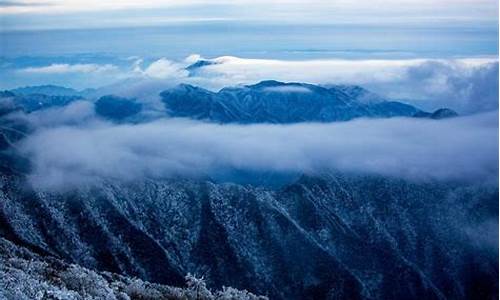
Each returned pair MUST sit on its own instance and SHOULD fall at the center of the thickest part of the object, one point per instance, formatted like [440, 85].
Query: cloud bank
[467, 85]
[464, 148]
[70, 68]
[102, 13]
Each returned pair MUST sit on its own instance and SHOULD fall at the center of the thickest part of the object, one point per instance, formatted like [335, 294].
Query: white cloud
[464, 148]
[191, 59]
[467, 84]
[287, 89]
[163, 68]
[75, 113]
[23, 6]
[243, 70]
[425, 13]
[70, 68]
[429, 14]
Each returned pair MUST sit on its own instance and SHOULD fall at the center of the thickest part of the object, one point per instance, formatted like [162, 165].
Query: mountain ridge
[271, 101]
[268, 101]
[342, 230]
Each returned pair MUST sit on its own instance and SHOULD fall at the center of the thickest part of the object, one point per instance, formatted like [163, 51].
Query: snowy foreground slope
[25, 275]
[337, 237]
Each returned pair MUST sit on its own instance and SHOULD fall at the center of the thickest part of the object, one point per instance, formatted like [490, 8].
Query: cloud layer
[463, 148]
[70, 68]
[424, 13]
[467, 85]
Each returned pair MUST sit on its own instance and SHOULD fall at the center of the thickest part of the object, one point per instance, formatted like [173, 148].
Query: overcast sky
[17, 14]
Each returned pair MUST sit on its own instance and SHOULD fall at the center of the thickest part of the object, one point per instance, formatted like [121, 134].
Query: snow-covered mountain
[278, 102]
[327, 236]
[33, 102]
[26, 275]
[330, 237]
[265, 102]
[49, 90]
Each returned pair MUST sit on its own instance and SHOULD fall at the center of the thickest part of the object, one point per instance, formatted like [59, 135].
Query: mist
[64, 154]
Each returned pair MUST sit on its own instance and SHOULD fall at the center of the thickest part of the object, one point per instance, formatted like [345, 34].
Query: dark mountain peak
[184, 87]
[112, 97]
[199, 64]
[353, 90]
[195, 67]
[117, 108]
[37, 101]
[50, 86]
[443, 113]
[48, 89]
[357, 92]
[272, 101]
[267, 83]
[439, 114]
[6, 94]
[273, 86]
[276, 83]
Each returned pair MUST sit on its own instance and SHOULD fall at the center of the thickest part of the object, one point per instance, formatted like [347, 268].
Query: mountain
[117, 108]
[11, 101]
[265, 102]
[48, 90]
[278, 102]
[7, 103]
[329, 237]
[195, 68]
[36, 102]
[361, 95]
[442, 113]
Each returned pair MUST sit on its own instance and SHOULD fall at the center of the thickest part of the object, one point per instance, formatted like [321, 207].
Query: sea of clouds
[72, 146]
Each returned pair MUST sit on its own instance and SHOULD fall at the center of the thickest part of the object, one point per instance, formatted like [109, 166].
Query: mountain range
[265, 102]
[278, 102]
[328, 236]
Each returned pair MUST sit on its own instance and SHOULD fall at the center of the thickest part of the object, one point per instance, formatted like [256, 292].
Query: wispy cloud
[287, 89]
[426, 12]
[69, 68]
[329, 70]
[286, 5]
[161, 69]
[23, 4]
[72, 6]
